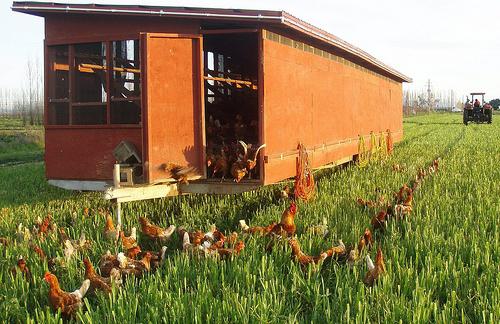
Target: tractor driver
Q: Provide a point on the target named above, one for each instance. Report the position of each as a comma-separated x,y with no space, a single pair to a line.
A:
477,104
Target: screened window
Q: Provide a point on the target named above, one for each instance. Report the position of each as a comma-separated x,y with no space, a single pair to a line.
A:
94,83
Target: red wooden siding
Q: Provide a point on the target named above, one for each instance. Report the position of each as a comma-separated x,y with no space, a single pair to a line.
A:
85,153
319,101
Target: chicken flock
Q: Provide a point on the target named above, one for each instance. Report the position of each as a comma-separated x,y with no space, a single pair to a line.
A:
133,262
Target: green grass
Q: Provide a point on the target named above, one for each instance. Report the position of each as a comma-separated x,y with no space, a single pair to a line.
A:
442,262
19,144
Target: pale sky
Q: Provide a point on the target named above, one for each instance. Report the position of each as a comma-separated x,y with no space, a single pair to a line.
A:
455,43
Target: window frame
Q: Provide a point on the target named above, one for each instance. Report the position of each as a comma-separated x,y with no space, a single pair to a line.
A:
71,92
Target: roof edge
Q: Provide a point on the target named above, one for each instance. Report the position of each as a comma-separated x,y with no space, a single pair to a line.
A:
280,17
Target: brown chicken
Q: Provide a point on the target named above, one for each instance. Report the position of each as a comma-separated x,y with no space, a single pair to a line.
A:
221,164
262,230
286,226
336,251
366,203
303,258
133,252
228,252
134,267
195,237
68,303
110,231
23,269
100,283
155,232
180,173
367,237
108,263
129,242
374,271
157,258
45,226
399,196
379,220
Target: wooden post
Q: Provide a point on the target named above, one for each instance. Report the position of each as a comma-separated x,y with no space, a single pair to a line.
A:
116,175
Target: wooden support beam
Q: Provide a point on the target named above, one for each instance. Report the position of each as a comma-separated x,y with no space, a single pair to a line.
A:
238,83
90,68
143,192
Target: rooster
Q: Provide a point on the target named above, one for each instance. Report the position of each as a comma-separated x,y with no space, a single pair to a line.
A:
374,271
68,303
100,283
302,258
250,162
22,268
128,242
238,170
180,173
155,232
286,227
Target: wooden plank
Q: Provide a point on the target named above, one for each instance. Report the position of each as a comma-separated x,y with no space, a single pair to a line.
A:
80,185
125,194
218,188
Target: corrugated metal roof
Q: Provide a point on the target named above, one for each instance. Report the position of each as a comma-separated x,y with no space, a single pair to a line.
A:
280,18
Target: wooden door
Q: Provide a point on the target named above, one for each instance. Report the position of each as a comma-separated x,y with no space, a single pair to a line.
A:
173,111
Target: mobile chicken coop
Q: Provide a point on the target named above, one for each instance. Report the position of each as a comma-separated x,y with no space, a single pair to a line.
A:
178,84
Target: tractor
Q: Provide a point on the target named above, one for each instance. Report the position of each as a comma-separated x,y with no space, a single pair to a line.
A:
477,111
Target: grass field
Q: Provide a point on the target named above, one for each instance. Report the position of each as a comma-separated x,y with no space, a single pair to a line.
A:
443,261
19,144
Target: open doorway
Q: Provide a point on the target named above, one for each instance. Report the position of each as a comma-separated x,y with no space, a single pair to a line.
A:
231,106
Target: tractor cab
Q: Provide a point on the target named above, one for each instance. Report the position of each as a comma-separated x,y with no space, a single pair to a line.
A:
477,110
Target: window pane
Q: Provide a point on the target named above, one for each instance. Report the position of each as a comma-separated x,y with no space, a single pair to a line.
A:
58,113
90,72
89,115
58,72
126,77
125,83
126,112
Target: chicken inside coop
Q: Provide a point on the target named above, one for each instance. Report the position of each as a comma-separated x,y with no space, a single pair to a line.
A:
231,106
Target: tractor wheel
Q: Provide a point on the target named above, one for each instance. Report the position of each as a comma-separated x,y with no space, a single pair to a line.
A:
465,118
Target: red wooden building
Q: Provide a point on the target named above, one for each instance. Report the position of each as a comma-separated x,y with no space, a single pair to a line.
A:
163,78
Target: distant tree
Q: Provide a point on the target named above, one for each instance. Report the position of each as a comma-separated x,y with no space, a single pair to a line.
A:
495,103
